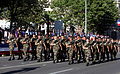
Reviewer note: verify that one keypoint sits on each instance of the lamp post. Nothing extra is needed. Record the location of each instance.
(85, 16)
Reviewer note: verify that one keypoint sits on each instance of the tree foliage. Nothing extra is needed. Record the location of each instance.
(23, 11)
(100, 13)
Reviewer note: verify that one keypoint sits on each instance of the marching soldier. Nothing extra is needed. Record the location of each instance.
(115, 49)
(97, 47)
(111, 49)
(71, 48)
(62, 49)
(33, 47)
(107, 46)
(56, 47)
(25, 41)
(20, 47)
(11, 42)
(86, 48)
(102, 50)
(39, 48)
(79, 49)
(46, 48)
(93, 49)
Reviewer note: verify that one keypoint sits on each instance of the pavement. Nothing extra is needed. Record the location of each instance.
(33, 67)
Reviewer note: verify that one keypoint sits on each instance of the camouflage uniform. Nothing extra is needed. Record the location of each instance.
(56, 48)
(79, 50)
(86, 48)
(115, 50)
(111, 46)
(26, 48)
(97, 47)
(71, 51)
(39, 48)
(20, 47)
(46, 49)
(11, 42)
(62, 50)
(33, 47)
(107, 46)
(94, 51)
(102, 51)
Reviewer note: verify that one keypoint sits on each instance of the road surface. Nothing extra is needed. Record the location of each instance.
(33, 67)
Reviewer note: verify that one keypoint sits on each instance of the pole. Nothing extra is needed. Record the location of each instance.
(85, 16)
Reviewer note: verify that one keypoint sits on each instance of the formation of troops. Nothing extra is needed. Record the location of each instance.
(74, 49)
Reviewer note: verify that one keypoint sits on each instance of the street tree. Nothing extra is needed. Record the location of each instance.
(22, 11)
(101, 13)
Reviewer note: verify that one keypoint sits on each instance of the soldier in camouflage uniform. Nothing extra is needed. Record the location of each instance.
(86, 48)
(107, 46)
(11, 42)
(33, 47)
(97, 47)
(25, 41)
(46, 44)
(70, 47)
(93, 50)
(62, 49)
(20, 47)
(102, 50)
(39, 48)
(56, 47)
(79, 49)
(115, 50)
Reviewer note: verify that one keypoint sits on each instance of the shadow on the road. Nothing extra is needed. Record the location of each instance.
(117, 59)
(105, 61)
(22, 70)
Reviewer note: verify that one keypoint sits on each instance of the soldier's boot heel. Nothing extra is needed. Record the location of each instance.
(31, 59)
(9, 59)
(72, 62)
(57, 61)
(25, 59)
(78, 61)
(54, 61)
(39, 60)
(13, 58)
(69, 63)
(87, 64)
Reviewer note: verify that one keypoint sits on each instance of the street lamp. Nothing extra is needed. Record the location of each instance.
(85, 16)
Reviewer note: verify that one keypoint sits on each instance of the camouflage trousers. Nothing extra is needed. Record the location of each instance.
(39, 54)
(55, 52)
(87, 55)
(70, 55)
(11, 49)
(26, 53)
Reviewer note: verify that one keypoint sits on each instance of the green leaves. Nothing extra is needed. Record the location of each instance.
(100, 13)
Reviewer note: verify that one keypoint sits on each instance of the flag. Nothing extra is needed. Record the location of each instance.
(118, 22)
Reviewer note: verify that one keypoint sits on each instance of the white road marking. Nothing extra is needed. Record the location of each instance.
(44, 64)
(61, 71)
(25, 65)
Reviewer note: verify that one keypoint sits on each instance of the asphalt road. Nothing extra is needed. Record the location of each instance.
(33, 67)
